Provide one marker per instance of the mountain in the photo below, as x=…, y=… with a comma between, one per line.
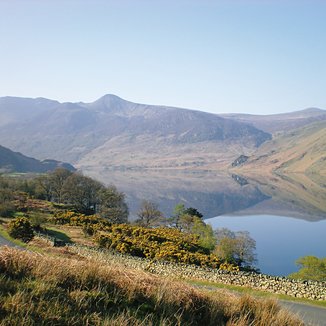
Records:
x=302, y=150
x=16, y=162
x=116, y=133
x=276, y=123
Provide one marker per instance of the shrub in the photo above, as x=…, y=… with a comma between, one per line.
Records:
x=77, y=219
x=156, y=243
x=21, y=228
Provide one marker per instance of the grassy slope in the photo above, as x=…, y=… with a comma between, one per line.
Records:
x=40, y=290
x=300, y=151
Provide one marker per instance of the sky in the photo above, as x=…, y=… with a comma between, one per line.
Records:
x=249, y=56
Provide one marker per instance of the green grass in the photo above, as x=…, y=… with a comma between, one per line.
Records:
x=254, y=292
x=58, y=234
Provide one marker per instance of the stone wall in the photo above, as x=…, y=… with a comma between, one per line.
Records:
x=280, y=285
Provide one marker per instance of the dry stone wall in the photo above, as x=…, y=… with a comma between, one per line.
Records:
x=280, y=285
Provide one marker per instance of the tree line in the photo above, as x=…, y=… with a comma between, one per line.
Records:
x=78, y=192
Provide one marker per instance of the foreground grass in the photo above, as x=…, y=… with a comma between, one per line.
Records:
x=254, y=292
x=40, y=290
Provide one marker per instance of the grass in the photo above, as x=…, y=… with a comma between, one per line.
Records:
x=41, y=290
x=254, y=292
x=58, y=234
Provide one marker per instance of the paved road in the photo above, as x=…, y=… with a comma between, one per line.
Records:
x=311, y=315
x=5, y=242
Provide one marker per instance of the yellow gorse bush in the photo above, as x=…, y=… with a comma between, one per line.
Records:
x=160, y=243
x=156, y=243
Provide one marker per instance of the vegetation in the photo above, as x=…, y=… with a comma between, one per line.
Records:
x=21, y=228
x=235, y=247
x=311, y=268
x=78, y=192
x=101, y=211
x=39, y=290
x=149, y=214
x=157, y=243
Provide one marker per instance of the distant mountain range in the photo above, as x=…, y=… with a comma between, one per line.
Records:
x=16, y=162
x=276, y=123
x=114, y=133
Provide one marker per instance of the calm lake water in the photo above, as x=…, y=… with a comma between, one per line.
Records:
x=285, y=215
x=280, y=240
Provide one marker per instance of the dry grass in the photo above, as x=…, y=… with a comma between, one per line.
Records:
x=40, y=290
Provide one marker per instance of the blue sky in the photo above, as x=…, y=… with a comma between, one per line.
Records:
x=216, y=56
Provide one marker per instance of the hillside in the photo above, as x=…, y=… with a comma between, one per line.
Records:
x=16, y=162
x=302, y=150
x=116, y=133
x=278, y=123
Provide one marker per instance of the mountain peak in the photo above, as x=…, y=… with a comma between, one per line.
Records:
x=109, y=101
x=110, y=98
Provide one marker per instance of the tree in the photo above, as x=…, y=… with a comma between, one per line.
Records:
x=149, y=214
x=44, y=187
x=235, y=247
x=178, y=211
x=205, y=234
x=311, y=268
x=112, y=205
x=186, y=222
x=82, y=193
x=57, y=180
x=7, y=208
x=193, y=212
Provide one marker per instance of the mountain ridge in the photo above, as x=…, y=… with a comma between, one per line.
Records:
x=116, y=133
x=70, y=131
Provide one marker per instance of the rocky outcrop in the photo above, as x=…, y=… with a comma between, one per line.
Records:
x=240, y=160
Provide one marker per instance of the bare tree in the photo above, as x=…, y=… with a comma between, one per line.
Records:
x=149, y=214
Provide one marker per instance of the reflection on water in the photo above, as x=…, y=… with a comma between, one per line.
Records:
x=278, y=211
x=215, y=194
x=280, y=241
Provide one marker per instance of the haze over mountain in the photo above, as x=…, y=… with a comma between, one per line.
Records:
x=16, y=162
x=115, y=133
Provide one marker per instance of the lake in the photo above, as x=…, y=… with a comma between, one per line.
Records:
x=286, y=215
